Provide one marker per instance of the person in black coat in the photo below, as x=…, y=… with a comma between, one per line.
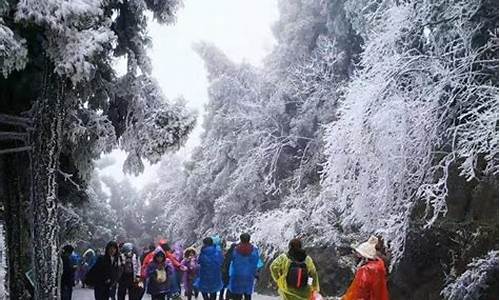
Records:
x=68, y=274
x=225, y=294
x=105, y=273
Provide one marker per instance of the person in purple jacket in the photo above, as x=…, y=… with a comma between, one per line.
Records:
x=158, y=274
x=190, y=261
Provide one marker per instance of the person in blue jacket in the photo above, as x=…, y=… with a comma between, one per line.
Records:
x=243, y=269
x=209, y=281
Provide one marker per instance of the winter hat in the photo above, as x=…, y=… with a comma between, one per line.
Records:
x=368, y=248
x=190, y=249
x=127, y=248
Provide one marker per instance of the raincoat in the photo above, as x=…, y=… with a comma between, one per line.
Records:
x=190, y=275
x=243, y=269
x=159, y=284
x=149, y=258
x=279, y=269
x=370, y=282
x=210, y=261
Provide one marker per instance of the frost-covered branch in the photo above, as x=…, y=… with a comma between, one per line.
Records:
x=13, y=51
x=68, y=177
x=13, y=136
x=15, y=150
x=17, y=121
x=475, y=280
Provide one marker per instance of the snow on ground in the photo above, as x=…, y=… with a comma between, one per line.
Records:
x=88, y=294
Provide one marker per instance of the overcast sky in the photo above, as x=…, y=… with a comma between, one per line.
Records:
x=240, y=28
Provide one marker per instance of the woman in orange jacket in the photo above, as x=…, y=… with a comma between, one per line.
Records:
x=370, y=281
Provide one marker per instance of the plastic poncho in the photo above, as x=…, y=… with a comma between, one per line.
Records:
x=370, y=282
x=279, y=269
x=190, y=275
x=210, y=279
x=243, y=269
x=159, y=281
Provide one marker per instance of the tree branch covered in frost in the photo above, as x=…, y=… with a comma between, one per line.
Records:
x=409, y=115
x=472, y=283
x=13, y=52
x=153, y=126
x=74, y=53
x=73, y=31
x=88, y=134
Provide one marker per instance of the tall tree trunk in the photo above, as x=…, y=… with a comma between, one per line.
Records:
x=46, y=147
x=14, y=188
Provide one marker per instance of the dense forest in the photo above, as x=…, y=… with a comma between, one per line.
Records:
x=368, y=117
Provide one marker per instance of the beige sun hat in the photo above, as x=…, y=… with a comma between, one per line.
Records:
x=368, y=249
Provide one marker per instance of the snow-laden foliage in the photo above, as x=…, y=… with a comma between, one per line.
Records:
x=164, y=11
x=409, y=115
x=75, y=32
x=88, y=134
x=65, y=83
x=153, y=125
x=166, y=212
x=262, y=145
x=80, y=38
x=58, y=14
x=349, y=129
x=93, y=223
x=73, y=54
x=471, y=284
x=13, y=52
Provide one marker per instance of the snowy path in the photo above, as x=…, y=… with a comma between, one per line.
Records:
x=88, y=294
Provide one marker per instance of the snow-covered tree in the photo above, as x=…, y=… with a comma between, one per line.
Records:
x=424, y=100
x=56, y=58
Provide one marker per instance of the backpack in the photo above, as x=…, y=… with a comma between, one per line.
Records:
x=297, y=275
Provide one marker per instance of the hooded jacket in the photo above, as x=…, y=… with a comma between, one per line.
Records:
x=105, y=271
x=210, y=261
x=243, y=269
x=370, y=282
x=156, y=284
x=150, y=256
x=192, y=267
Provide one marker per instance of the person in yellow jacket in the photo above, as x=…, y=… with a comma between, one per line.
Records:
x=295, y=273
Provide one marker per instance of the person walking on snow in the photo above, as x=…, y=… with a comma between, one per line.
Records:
x=104, y=274
x=68, y=274
x=370, y=280
x=158, y=273
x=243, y=269
x=228, y=256
x=163, y=244
x=210, y=260
x=295, y=273
x=191, y=263
x=130, y=272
